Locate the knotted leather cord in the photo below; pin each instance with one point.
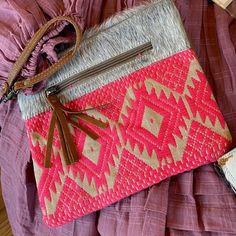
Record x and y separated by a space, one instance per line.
12 83
61 117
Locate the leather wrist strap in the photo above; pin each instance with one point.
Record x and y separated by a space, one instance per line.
12 85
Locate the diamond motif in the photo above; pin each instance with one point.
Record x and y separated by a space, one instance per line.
151 121
92 150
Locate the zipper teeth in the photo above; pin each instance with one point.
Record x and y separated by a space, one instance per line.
94 70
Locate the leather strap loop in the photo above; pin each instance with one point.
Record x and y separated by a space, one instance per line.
27 83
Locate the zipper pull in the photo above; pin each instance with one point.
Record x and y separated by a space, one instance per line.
9 96
51 91
61 117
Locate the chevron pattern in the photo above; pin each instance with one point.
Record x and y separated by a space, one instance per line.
163 120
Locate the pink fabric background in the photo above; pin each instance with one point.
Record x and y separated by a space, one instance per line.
193 203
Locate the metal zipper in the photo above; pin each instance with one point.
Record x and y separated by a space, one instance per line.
99 68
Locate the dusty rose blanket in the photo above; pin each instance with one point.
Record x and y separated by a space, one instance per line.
193 203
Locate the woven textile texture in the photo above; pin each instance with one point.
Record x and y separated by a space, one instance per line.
193 203
163 120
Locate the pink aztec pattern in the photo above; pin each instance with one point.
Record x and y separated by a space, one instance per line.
163 120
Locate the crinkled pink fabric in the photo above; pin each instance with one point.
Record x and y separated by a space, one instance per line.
193 203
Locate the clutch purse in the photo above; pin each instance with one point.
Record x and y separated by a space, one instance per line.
131 108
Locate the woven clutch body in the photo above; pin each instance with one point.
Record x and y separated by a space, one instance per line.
131 109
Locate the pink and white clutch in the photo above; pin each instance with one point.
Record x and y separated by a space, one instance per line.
132 108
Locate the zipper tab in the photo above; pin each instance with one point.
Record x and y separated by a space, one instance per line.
52 90
9 96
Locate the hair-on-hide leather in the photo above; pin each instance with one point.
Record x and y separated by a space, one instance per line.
158 22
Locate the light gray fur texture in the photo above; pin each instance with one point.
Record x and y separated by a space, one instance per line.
157 21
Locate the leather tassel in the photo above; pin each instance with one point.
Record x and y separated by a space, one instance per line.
62 117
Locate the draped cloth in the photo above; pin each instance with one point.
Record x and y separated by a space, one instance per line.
192 203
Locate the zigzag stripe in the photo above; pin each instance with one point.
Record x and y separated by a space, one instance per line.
192 75
177 151
151 84
50 205
151 161
217 127
129 96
